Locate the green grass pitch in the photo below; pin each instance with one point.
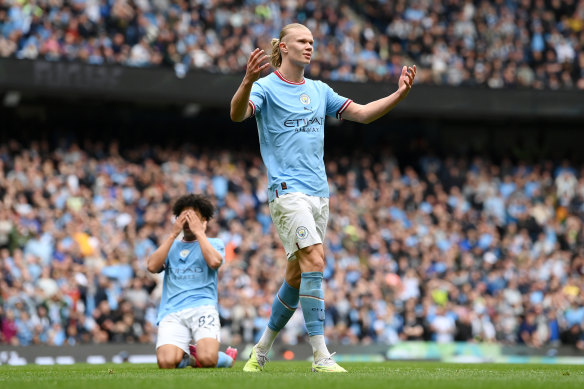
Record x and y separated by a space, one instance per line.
296 375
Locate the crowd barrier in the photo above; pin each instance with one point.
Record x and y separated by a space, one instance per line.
456 352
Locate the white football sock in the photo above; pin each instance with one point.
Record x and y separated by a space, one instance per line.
267 339
319 349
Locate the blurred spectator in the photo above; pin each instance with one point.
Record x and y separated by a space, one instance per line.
463 324
526 334
442 326
9 328
413 252
493 44
413 328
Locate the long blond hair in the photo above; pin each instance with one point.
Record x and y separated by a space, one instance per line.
276 57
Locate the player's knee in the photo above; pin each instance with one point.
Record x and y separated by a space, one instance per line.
294 281
166 362
208 360
318 266
315 265
312 258
293 277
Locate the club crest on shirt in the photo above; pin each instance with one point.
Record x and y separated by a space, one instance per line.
302 232
305 99
183 253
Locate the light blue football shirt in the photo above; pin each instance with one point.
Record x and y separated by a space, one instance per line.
188 281
290 118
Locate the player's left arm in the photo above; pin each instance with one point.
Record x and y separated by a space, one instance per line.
198 227
378 108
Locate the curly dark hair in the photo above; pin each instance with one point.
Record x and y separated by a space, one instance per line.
198 202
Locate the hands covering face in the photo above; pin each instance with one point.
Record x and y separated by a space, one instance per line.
179 223
190 220
193 222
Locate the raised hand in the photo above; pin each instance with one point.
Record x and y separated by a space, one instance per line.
195 224
178 224
406 80
254 65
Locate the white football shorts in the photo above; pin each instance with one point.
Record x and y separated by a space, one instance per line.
300 220
180 328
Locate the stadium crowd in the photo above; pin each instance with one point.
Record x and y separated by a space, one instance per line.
495 44
449 249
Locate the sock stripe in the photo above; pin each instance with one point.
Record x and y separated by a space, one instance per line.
288 307
311 297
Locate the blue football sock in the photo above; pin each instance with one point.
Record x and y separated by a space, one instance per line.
283 307
312 301
224 360
184 362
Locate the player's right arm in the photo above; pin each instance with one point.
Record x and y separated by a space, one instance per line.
240 108
378 108
155 263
